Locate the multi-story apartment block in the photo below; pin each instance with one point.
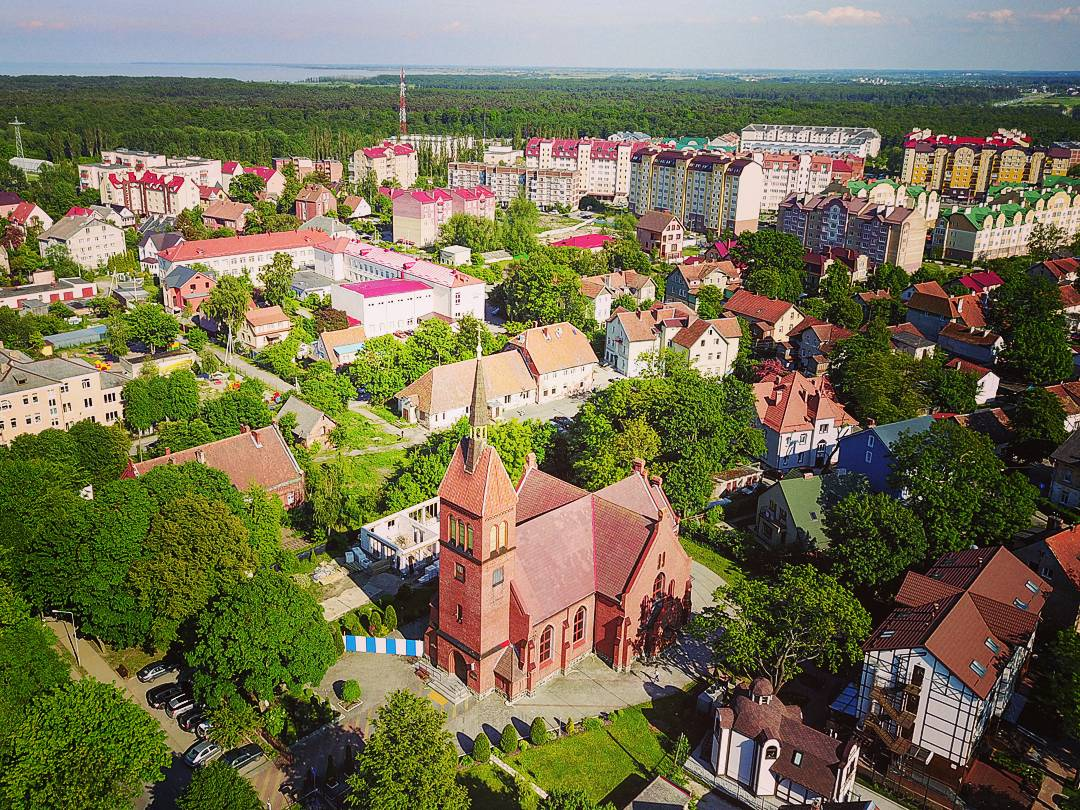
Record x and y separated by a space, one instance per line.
305 166
240 255
969 166
389 161
889 192
861 141
1003 226
419 215
945 662
90 241
787 173
547 188
57 392
880 232
454 293
201 171
1062 156
602 167
705 191
149 194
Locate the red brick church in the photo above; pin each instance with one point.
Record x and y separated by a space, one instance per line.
533 578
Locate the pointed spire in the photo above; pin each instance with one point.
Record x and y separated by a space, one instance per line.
479 416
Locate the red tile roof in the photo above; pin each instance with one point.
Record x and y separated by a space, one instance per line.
981 281
757 307
236 245
960 364
1065 546
794 402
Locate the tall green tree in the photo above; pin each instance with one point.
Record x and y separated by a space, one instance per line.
276 279
409 761
710 302
261 634
101 451
1045 240
1061 692
227 303
83 745
775 628
873 539
520 226
151 325
1027 312
538 290
246 188
216 786
1038 423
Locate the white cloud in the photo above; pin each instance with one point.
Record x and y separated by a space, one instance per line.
41 25
1057 15
999 16
454 27
839 15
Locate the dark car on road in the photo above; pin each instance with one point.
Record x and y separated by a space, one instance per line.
180 704
240 758
157 697
190 719
151 672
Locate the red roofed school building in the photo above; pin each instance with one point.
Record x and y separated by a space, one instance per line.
764 745
253 457
533 578
945 662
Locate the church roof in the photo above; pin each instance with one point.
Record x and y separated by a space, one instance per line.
485 490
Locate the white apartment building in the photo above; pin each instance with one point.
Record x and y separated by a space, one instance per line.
602 167
703 190
890 192
946 660
57 392
784 174
861 141
149 194
384 306
454 293
389 161
90 241
243 255
547 188
201 171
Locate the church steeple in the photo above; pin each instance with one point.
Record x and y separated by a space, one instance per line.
479 417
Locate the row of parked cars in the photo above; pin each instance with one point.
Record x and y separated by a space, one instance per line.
179 703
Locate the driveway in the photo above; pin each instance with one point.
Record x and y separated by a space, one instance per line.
237 363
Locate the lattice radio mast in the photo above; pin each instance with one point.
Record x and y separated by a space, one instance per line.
403 117
18 134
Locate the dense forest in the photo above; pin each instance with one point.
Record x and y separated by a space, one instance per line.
75 117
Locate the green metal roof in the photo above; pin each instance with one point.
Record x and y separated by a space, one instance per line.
808 498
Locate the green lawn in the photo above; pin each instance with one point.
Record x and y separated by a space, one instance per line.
1054 101
354 432
489 788
713 560
368 470
385 413
613 763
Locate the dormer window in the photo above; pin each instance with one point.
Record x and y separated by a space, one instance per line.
978 668
796 758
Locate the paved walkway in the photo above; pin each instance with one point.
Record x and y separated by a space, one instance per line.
410 434
238 363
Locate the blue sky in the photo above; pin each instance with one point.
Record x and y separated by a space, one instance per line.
629 33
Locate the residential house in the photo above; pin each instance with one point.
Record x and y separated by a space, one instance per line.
559 357
660 233
1059 271
1070 305
56 392
631 336
801 419
819 265
258 457
626 282
987 380
930 308
185 289
592 242
684 282
305 166
455 255
869 452
312 425
722 250
906 338
90 241
771 320
993 423
328 225
244 255
263 327
1065 483
1068 394
766 747
712 346
152 244
945 662
454 292
357 205
274 180
23 214
810 344
981 283
441 396
340 346
791 513
314 200
307 282
211 194
972 343
385 305
868 300
224 214
1056 559
600 295
535 577
44 289
389 161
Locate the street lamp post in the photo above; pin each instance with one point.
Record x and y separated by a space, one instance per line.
75 631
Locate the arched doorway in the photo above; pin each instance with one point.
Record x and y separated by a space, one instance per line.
461 669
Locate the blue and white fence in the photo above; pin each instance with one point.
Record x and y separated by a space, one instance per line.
385 646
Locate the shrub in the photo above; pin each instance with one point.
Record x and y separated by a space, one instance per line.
350 691
273 721
592 724
481 751
350 623
569 728
538 733
389 620
508 743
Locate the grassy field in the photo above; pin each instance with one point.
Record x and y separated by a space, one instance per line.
713 560
133 658
367 471
615 762
489 788
1051 101
354 432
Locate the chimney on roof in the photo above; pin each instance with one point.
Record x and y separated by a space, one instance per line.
530 461
255 439
656 480
244 428
168 452
638 466
200 456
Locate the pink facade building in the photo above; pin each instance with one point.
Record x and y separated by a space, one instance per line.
150 194
275 180
420 215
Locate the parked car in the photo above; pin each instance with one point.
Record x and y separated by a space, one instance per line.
202 752
240 758
180 704
190 719
151 672
157 697
202 729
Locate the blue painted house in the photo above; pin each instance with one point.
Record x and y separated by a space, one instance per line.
868 452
